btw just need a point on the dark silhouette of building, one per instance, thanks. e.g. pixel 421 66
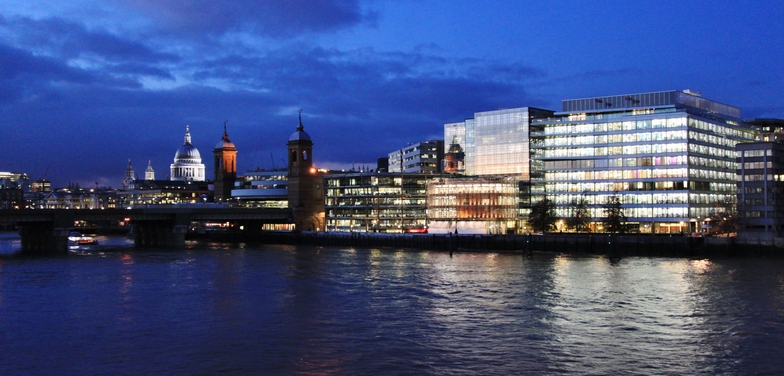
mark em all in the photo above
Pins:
pixel 225 167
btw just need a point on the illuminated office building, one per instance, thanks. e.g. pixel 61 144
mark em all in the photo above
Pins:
pixel 761 181
pixel 376 202
pixel 496 143
pixel 262 189
pixel 669 157
pixel 472 205
pixel 421 157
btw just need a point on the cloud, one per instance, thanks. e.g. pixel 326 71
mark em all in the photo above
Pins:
pixel 78 91
pixel 271 18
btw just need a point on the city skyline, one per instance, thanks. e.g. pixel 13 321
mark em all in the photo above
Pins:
pixel 85 86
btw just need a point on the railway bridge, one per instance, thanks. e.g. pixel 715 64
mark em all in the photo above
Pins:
pixel 46 231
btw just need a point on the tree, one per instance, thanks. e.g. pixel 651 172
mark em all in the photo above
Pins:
pixel 580 216
pixel 725 218
pixel 614 218
pixel 542 216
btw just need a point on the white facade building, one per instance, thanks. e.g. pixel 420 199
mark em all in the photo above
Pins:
pixel 187 164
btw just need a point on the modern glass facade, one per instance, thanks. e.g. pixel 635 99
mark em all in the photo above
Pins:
pixel 668 156
pixel 376 202
pixel 473 205
pixel 497 142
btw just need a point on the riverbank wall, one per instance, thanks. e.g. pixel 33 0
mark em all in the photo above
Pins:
pixel 604 244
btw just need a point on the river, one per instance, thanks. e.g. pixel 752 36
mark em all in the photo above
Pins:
pixel 263 309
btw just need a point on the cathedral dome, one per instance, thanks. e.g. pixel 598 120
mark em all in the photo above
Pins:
pixel 188 153
pixel 187 162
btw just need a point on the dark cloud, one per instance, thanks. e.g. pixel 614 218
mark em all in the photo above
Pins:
pixel 15 62
pixel 66 39
pixel 272 18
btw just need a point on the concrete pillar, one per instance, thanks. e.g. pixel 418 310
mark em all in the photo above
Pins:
pixel 44 238
pixel 159 234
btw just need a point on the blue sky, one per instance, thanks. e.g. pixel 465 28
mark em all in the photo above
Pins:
pixel 86 85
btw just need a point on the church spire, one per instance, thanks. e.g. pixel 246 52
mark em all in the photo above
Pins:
pixel 187 135
pixel 225 134
pixel 300 128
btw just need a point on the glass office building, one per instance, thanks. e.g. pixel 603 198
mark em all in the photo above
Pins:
pixel 376 202
pixel 472 205
pixel 496 143
pixel 424 157
pixel 669 157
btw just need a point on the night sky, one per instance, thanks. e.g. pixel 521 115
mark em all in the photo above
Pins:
pixel 86 85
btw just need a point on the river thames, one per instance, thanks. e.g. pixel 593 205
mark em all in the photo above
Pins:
pixel 259 309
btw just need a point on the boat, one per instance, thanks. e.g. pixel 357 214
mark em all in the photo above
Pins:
pixel 77 238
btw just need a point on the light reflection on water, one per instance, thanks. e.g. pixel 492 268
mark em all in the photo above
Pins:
pixel 216 308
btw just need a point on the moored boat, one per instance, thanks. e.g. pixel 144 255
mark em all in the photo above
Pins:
pixel 81 239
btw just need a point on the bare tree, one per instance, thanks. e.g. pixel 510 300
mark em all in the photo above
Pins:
pixel 614 218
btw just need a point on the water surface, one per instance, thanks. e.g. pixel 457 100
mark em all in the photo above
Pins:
pixel 316 310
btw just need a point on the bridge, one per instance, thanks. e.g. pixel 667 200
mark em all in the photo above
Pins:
pixel 47 230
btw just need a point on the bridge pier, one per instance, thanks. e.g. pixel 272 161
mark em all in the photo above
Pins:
pixel 159 234
pixel 44 238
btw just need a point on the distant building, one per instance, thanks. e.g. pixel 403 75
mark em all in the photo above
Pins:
pixel 130 176
pixel 225 154
pixel 149 173
pixel 12 198
pixel 164 192
pixel 421 157
pixel 79 198
pixel 14 180
pixel 187 164
pixel 760 207
pixel 42 185
pixel 262 189
pixel 382 164
pixel 768 126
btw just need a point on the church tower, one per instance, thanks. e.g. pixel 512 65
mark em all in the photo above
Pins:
pixel 225 167
pixel 305 193
pixel 149 173
pixel 130 176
